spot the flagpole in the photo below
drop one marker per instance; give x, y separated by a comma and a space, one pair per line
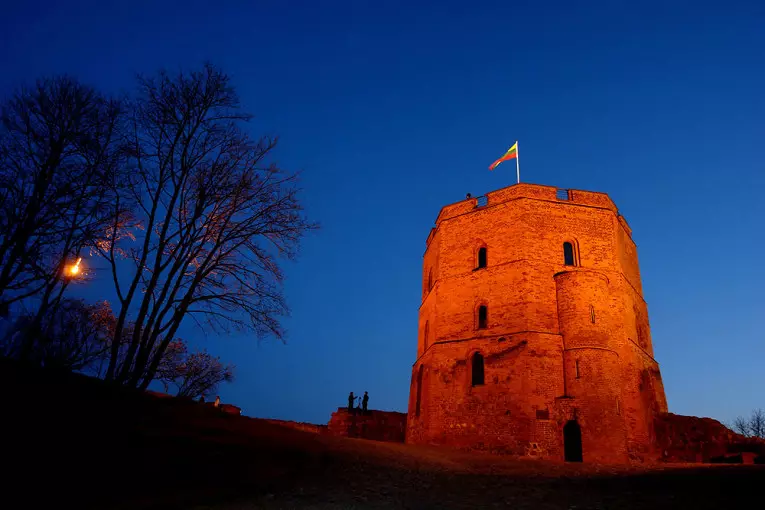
517, 164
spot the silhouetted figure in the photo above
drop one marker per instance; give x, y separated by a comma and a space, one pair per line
351, 398
468, 195
364, 402
358, 406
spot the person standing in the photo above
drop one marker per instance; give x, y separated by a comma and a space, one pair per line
364, 402
351, 398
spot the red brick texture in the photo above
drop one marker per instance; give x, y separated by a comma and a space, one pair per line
376, 425
560, 342
692, 439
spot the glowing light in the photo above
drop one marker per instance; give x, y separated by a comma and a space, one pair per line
74, 269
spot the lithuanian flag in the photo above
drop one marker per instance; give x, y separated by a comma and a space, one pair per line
511, 153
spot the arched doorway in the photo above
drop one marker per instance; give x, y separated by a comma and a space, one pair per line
572, 442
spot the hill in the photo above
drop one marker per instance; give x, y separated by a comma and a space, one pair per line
76, 442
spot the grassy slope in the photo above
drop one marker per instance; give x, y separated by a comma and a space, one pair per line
76, 441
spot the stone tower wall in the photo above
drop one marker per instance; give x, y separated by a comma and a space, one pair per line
592, 363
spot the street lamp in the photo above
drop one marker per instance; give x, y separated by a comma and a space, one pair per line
73, 270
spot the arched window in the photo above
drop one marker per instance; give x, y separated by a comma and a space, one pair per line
483, 317
481, 257
419, 392
430, 279
425, 342
568, 254
477, 369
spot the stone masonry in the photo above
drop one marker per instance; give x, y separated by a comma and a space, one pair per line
376, 425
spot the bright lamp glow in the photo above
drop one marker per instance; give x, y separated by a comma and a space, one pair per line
74, 269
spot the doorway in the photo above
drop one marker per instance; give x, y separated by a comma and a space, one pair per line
572, 442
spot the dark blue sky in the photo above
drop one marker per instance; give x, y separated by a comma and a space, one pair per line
392, 111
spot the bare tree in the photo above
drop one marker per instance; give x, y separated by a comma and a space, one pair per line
73, 336
173, 358
193, 375
754, 426
757, 423
58, 166
213, 216
76, 336
741, 426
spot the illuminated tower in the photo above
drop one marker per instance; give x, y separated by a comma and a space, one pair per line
533, 332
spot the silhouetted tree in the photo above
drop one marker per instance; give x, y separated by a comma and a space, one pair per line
73, 336
213, 216
173, 358
754, 426
59, 162
741, 426
194, 374
757, 423
76, 336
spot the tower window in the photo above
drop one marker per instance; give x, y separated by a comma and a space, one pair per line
592, 314
477, 369
577, 369
641, 336
568, 254
481, 257
425, 342
430, 279
483, 314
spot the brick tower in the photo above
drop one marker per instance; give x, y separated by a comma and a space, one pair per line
533, 332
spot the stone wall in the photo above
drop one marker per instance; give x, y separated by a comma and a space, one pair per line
376, 425
691, 439
522, 375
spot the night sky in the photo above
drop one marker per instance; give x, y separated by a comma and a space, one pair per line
391, 111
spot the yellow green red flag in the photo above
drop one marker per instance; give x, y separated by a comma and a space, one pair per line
511, 153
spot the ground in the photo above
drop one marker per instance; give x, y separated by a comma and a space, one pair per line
377, 475
80, 444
